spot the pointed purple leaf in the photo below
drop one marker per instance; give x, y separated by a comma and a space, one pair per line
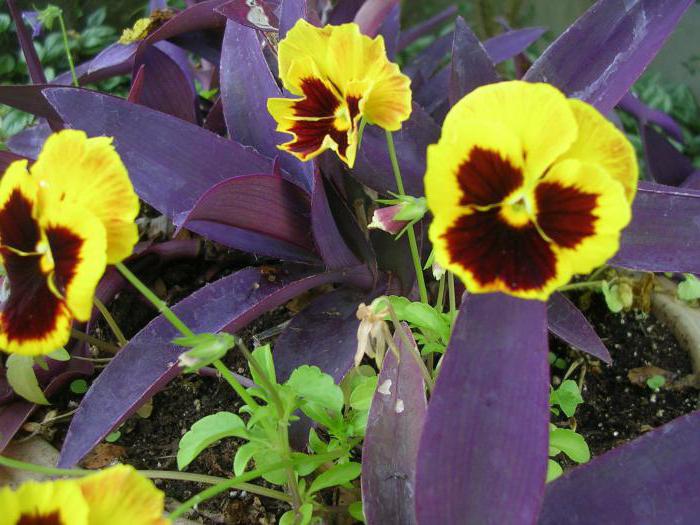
600, 56
471, 66
36, 72
171, 163
329, 242
196, 18
390, 448
29, 141
117, 57
693, 181
29, 98
260, 15
149, 360
511, 43
390, 29
12, 417
665, 163
483, 452
373, 166
266, 205
324, 334
165, 87
424, 28
571, 326
344, 11
664, 232
293, 10
373, 14
645, 114
652, 480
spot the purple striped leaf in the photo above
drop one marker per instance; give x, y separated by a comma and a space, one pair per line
664, 162
483, 453
645, 114
29, 98
664, 232
324, 334
262, 204
600, 56
471, 66
390, 449
29, 141
424, 28
171, 162
114, 59
652, 480
511, 43
149, 360
571, 326
164, 87
256, 15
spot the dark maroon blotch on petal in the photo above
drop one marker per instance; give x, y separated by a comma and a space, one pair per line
487, 178
565, 214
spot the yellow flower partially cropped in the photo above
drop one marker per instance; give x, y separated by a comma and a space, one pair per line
121, 496
61, 222
137, 32
49, 503
341, 76
527, 188
116, 496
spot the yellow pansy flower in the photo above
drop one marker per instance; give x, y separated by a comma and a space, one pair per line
61, 222
341, 76
527, 188
49, 503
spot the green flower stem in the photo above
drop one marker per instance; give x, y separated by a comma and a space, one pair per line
68, 53
452, 296
411, 348
109, 319
224, 486
174, 320
102, 345
585, 285
152, 474
411, 233
441, 294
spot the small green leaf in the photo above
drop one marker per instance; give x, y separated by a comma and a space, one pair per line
21, 377
315, 387
113, 436
554, 470
206, 431
316, 444
49, 15
567, 396
59, 355
5, 22
243, 456
356, 512
361, 396
305, 515
7, 64
79, 386
612, 297
426, 317
263, 358
205, 349
337, 475
689, 290
656, 382
570, 443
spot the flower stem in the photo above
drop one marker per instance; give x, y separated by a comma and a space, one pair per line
411, 233
109, 319
102, 345
233, 382
585, 285
452, 296
73, 75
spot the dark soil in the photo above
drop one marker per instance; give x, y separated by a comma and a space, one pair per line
615, 410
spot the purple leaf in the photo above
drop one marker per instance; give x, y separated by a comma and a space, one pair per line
215, 121
149, 360
372, 15
30, 99
196, 18
344, 11
171, 163
693, 181
115, 59
29, 141
600, 56
483, 452
373, 167
390, 448
570, 325
36, 72
12, 417
653, 480
424, 28
665, 163
259, 15
644, 114
511, 43
331, 245
266, 205
664, 232
471, 66
324, 334
293, 10
165, 87
32, 18
390, 29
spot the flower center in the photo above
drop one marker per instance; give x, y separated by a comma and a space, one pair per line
516, 213
342, 120
38, 519
47, 262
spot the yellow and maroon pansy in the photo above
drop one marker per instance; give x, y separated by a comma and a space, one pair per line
121, 496
341, 76
54, 256
527, 188
47, 503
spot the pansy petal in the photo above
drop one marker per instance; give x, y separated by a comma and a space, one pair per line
33, 319
474, 164
600, 142
88, 172
78, 242
302, 41
120, 496
538, 114
582, 210
51, 503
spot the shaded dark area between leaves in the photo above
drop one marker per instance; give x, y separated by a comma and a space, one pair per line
615, 410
